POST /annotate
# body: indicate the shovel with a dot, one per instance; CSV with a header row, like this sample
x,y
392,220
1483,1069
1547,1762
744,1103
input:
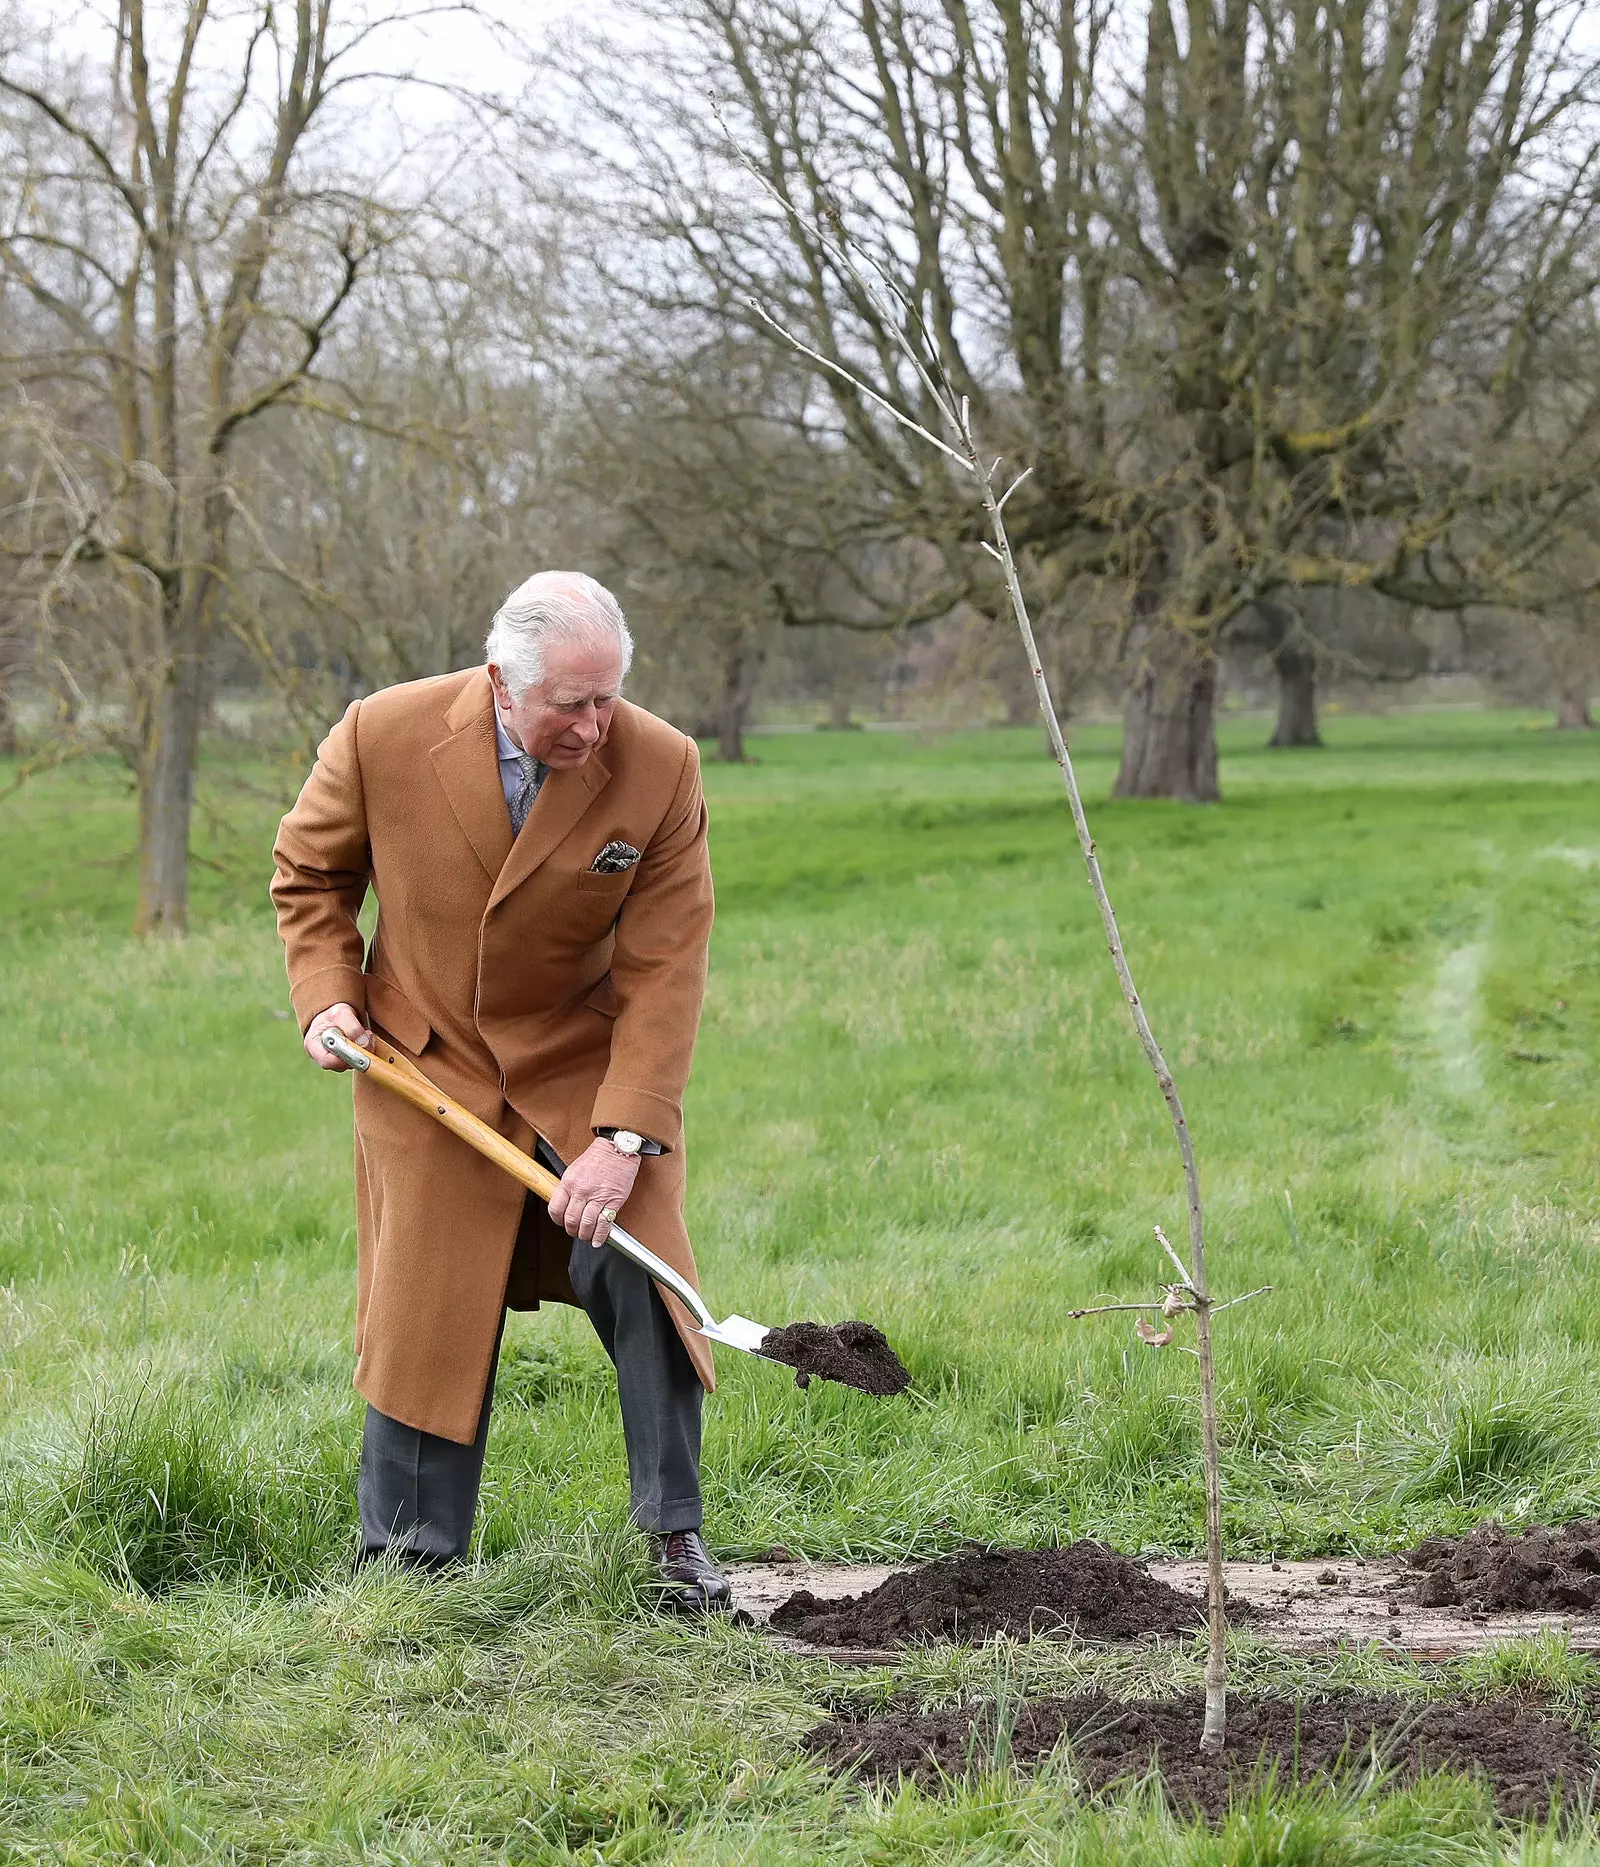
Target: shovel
x,y
385,1065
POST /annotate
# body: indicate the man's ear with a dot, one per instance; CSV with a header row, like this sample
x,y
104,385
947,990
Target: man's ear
x,y
502,694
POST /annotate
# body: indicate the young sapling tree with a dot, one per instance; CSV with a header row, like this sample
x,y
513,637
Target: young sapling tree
x,y
1192,1293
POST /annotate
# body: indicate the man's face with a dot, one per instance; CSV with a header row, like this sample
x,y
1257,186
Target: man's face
x,y
562,718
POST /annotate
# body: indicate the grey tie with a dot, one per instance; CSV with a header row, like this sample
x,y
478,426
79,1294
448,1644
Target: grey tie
x,y
533,775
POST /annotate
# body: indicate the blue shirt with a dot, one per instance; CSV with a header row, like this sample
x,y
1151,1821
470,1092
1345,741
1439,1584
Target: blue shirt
x,y
511,756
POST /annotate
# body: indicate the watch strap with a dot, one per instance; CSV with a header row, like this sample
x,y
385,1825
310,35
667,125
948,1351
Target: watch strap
x,y
649,1146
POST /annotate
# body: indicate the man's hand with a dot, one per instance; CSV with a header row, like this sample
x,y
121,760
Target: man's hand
x,y
598,1181
343,1018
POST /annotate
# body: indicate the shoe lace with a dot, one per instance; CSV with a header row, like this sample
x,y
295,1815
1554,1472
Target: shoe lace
x,y
681,1546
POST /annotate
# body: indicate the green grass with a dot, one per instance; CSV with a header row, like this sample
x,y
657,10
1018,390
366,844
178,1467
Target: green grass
x,y
1376,970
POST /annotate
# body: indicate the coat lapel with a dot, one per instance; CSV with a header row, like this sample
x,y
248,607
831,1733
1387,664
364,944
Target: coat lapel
x,y
563,798
468,766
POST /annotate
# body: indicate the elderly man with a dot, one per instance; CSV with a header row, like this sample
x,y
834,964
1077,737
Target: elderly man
x,y
538,850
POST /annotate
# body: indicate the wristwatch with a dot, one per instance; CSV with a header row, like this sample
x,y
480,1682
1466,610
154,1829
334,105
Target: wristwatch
x,y
625,1141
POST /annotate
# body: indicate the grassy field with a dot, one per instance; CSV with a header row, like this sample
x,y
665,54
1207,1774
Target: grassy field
x,y
1376,970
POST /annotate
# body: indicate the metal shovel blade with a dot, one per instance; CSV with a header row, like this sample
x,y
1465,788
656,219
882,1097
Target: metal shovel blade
x,y
738,1332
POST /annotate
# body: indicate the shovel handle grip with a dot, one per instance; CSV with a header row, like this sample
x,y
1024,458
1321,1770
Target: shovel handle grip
x,y
385,1066
399,1074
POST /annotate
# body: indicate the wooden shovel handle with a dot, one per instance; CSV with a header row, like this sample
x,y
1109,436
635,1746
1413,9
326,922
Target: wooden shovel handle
x,y
384,1064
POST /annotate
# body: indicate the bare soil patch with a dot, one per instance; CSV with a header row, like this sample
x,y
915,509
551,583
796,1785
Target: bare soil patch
x,y
1529,1759
1301,1607
853,1353
1086,1589
1490,1571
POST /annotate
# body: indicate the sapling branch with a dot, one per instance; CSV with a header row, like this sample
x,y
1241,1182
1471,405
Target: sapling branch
x,y
1105,1309
1177,1262
1001,506
1218,1308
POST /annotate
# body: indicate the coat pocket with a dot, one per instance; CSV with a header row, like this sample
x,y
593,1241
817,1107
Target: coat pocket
x,y
589,904
603,998
612,884
390,1009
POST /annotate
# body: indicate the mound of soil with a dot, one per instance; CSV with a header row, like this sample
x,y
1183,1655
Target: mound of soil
x,y
1085,1589
853,1353
1489,1570
1528,1758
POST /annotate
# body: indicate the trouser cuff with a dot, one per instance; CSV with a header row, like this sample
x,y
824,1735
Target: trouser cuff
x,y
677,1513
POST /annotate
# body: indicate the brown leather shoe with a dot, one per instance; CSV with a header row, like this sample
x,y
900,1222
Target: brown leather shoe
x,y
693,1582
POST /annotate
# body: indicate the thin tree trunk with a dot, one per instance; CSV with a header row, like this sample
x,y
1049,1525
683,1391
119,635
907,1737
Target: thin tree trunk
x,y
1572,706
936,381
741,674
1296,666
1214,1724
166,780
10,741
1169,741
839,719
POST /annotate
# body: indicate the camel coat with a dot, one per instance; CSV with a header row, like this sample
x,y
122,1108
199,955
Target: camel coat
x,y
539,994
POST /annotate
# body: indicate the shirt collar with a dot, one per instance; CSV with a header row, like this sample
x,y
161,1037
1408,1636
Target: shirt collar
x,y
508,748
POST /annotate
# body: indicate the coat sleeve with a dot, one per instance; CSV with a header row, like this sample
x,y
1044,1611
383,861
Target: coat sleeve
x,y
324,864
658,970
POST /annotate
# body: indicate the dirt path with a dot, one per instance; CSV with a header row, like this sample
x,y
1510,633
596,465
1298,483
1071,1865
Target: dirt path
x,y
1309,1607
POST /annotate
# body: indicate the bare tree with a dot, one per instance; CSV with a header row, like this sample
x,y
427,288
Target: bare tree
x,y
382,544
1309,635
1541,657
188,215
1263,307
703,486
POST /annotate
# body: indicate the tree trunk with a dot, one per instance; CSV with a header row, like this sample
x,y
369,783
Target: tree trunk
x,y
1296,665
10,742
839,719
741,673
1169,741
730,730
1572,706
166,781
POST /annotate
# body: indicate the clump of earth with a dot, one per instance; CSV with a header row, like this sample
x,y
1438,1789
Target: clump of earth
x,y
853,1353
1085,1588
1492,1571
1529,1759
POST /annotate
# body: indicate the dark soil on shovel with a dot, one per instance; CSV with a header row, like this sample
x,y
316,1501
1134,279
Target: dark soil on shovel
x,y
1530,1760
1489,1570
853,1353
1085,1589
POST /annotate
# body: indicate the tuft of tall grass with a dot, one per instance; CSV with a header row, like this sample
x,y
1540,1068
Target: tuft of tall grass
x,y
593,1574
158,1488
1545,1664
1496,1434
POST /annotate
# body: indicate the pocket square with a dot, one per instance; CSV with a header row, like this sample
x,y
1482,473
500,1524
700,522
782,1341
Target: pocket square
x,y
613,859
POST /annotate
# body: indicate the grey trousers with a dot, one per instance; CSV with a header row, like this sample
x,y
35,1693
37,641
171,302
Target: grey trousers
x,y
418,1493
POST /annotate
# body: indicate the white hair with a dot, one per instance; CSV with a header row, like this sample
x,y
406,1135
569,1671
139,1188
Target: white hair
x,y
552,606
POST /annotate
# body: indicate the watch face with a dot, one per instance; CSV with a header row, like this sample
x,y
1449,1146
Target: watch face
x,y
625,1141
